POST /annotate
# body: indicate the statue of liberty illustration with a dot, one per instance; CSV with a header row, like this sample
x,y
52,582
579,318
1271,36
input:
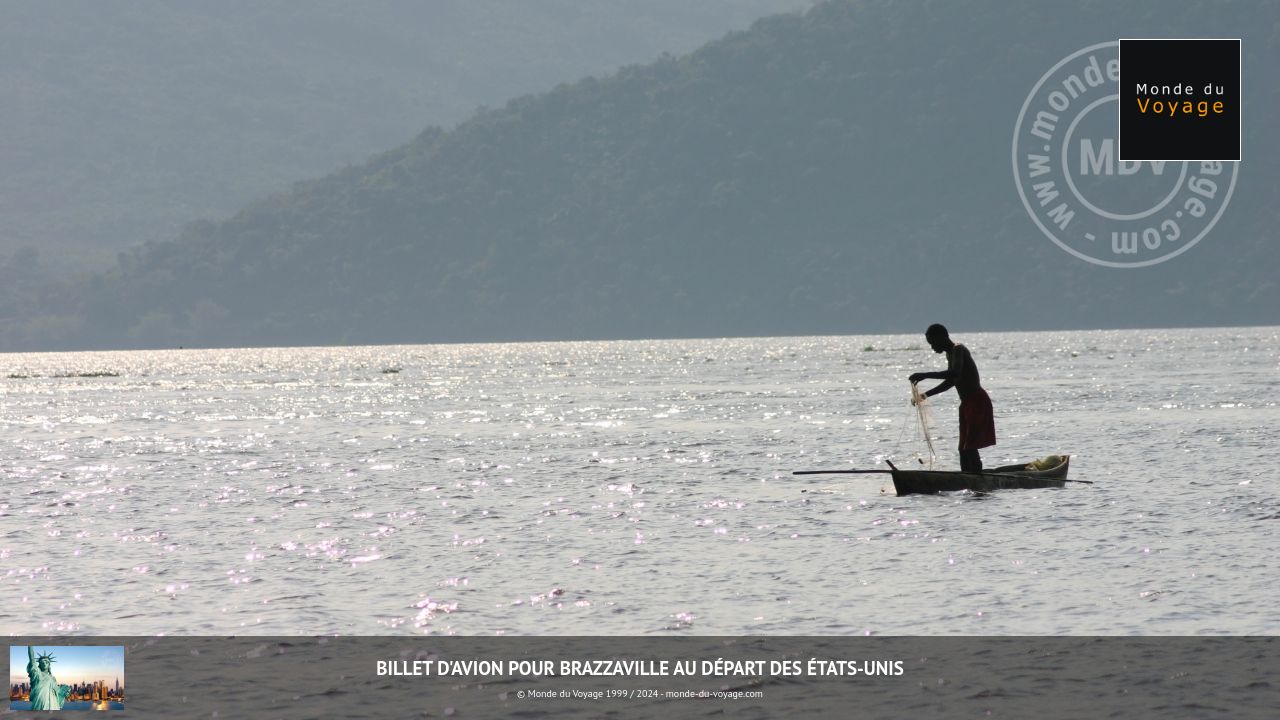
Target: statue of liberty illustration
x,y
46,693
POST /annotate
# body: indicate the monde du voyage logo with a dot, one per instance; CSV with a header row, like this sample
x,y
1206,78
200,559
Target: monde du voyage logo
x,y
1083,197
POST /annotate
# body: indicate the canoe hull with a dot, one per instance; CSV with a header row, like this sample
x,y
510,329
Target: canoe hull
x,y
1009,477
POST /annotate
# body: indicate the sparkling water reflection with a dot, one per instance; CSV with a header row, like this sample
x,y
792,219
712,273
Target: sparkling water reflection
x,y
636,487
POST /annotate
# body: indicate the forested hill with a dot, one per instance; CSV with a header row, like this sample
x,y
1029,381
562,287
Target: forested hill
x,y
846,170
123,122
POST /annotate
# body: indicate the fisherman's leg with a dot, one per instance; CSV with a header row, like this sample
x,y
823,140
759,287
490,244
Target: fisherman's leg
x,y
970,461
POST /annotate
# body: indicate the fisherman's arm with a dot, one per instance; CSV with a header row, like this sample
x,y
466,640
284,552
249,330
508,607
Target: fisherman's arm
x,y
955,362
942,387
940,375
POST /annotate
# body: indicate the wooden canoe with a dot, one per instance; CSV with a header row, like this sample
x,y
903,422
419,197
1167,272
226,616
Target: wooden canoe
x,y
1008,477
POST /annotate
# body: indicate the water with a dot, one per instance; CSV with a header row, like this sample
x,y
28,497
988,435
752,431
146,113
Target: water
x,y
25,705
636,488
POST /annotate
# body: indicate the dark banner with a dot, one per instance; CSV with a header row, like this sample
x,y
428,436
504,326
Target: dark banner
x,y
632,677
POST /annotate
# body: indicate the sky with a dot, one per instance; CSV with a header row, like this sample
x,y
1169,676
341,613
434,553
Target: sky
x,y
72,665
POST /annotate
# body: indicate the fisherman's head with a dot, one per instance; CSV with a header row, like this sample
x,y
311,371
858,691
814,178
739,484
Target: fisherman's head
x,y
938,338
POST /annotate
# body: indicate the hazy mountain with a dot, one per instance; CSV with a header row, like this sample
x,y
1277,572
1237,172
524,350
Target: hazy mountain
x,y
124,121
847,170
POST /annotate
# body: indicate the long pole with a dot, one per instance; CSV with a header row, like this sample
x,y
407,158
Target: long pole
x,y
841,472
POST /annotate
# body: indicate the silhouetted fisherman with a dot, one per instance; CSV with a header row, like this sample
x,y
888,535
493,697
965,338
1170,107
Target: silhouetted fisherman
x,y
977,421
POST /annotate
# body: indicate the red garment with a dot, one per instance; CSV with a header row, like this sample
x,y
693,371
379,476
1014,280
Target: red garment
x,y
977,421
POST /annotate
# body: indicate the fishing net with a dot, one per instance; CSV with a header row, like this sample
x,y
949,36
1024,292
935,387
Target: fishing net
x,y
924,420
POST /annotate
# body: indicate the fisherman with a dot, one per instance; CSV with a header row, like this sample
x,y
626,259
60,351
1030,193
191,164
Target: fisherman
x,y
977,422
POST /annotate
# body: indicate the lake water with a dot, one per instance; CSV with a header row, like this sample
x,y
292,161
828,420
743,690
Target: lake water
x,y
637,488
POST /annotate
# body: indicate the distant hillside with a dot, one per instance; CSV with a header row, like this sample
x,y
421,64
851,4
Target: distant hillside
x,y
122,122
842,171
